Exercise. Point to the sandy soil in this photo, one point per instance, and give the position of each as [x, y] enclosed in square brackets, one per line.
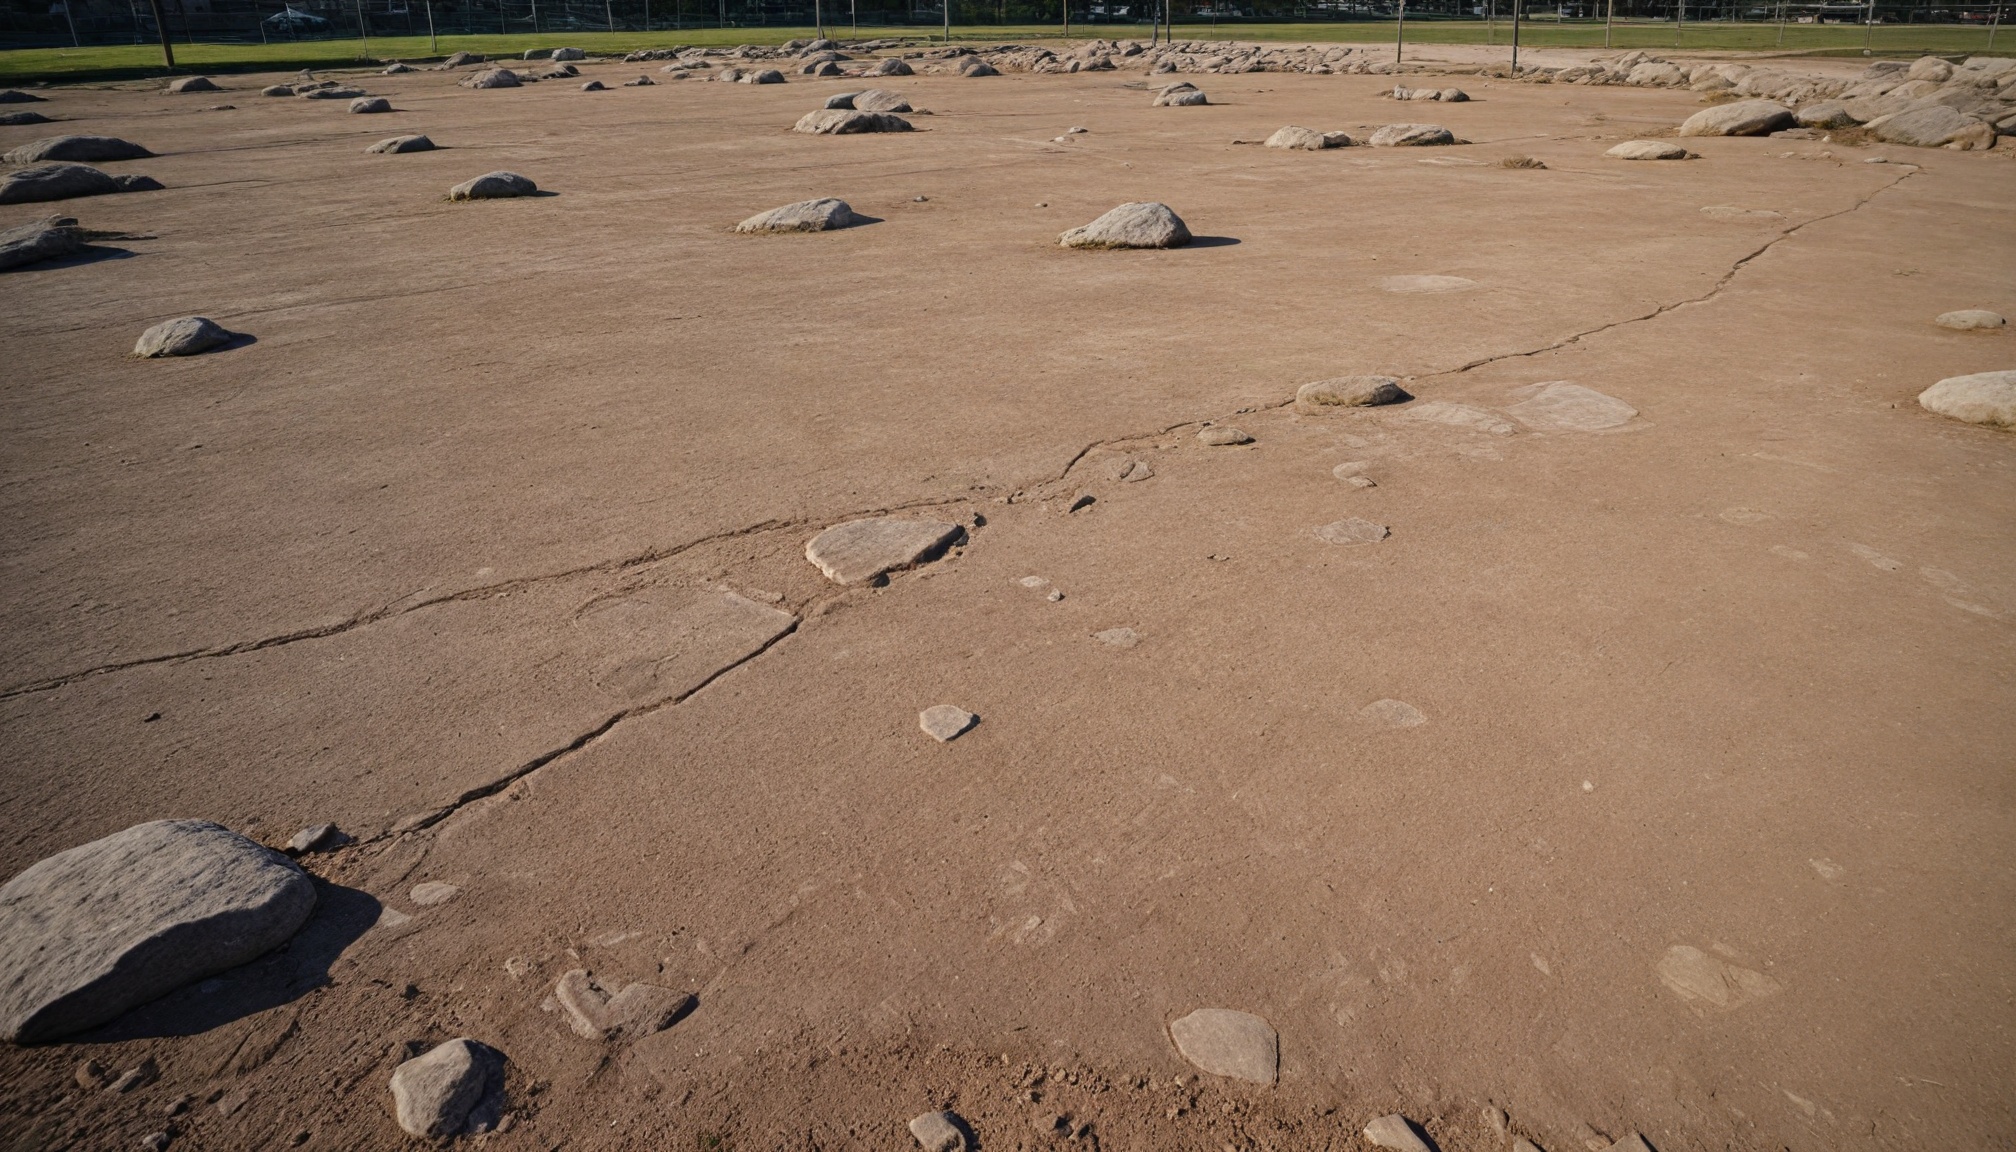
[444, 557]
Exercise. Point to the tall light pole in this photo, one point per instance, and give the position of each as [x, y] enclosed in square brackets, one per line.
[1400, 33]
[161, 26]
[1609, 18]
[1515, 36]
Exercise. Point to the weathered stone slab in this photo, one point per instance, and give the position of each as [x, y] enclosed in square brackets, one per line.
[864, 549]
[1224, 1042]
[1982, 398]
[1141, 224]
[455, 1088]
[1558, 406]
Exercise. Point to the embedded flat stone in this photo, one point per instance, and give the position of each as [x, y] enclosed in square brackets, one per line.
[1982, 398]
[1352, 530]
[1709, 981]
[1223, 435]
[1140, 224]
[457, 1087]
[46, 239]
[1294, 136]
[1970, 319]
[1742, 118]
[848, 122]
[89, 933]
[805, 216]
[87, 149]
[1648, 150]
[878, 100]
[864, 549]
[1426, 284]
[1558, 406]
[490, 78]
[400, 144]
[1223, 1042]
[1393, 713]
[433, 892]
[939, 1132]
[637, 1011]
[1118, 637]
[1412, 136]
[944, 722]
[193, 84]
[493, 186]
[1349, 392]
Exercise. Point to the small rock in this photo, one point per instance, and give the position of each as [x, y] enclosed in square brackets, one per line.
[1084, 500]
[1359, 481]
[877, 100]
[179, 1105]
[1524, 1145]
[1966, 319]
[1396, 1133]
[1495, 1120]
[493, 186]
[594, 86]
[1393, 714]
[562, 55]
[861, 550]
[1129, 469]
[490, 78]
[1054, 596]
[433, 892]
[19, 119]
[939, 1132]
[1632, 1143]
[193, 84]
[1140, 224]
[847, 122]
[90, 1075]
[1649, 150]
[186, 336]
[1224, 1042]
[1349, 392]
[138, 1076]
[396, 69]
[1742, 118]
[154, 1141]
[16, 96]
[1118, 637]
[637, 1011]
[841, 100]
[399, 144]
[330, 93]
[805, 216]
[366, 105]
[1180, 95]
[46, 239]
[890, 66]
[458, 1087]
[1352, 530]
[228, 1104]
[944, 722]
[764, 76]
[88, 149]
[277, 90]
[1826, 114]
[640, 82]
[973, 67]
[88, 933]
[1222, 435]
[1412, 136]
[1982, 398]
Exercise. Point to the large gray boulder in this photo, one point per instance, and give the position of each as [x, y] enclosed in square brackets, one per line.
[1825, 114]
[1412, 136]
[67, 181]
[805, 216]
[562, 55]
[1182, 95]
[48, 239]
[889, 67]
[1932, 126]
[876, 100]
[493, 186]
[764, 76]
[107, 926]
[454, 1088]
[16, 96]
[1742, 118]
[1142, 224]
[865, 549]
[1983, 398]
[368, 104]
[841, 100]
[490, 78]
[22, 119]
[459, 60]
[846, 122]
[1307, 139]
[398, 144]
[186, 336]
[85, 149]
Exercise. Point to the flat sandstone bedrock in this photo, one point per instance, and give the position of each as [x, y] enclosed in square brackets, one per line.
[864, 549]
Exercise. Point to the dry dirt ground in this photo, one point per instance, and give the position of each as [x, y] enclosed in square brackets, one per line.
[445, 556]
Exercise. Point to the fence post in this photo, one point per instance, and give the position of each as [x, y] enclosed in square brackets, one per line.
[1609, 18]
[1400, 33]
[1515, 36]
[363, 34]
[161, 26]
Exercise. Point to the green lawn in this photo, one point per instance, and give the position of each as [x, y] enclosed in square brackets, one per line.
[125, 60]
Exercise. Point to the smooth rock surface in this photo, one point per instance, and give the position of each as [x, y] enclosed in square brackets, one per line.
[1927, 127]
[1141, 224]
[1349, 392]
[945, 722]
[1710, 981]
[457, 1087]
[1293, 136]
[86, 149]
[399, 144]
[864, 549]
[939, 1132]
[1391, 713]
[848, 122]
[1826, 114]
[1394, 1132]
[1982, 398]
[1426, 283]
[1228, 1043]
[193, 84]
[490, 78]
[433, 892]
[366, 105]
[1967, 319]
[890, 66]
[805, 216]
[1648, 150]
[1558, 406]
[40, 240]
[493, 186]
[1412, 136]
[1742, 118]
[1223, 436]
[878, 100]
[89, 933]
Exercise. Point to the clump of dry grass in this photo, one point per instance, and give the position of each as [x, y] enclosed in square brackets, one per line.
[1520, 162]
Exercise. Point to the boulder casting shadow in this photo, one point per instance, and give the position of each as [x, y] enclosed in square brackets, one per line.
[284, 975]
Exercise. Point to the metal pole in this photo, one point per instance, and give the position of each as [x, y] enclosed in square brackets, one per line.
[433, 44]
[72, 21]
[818, 19]
[363, 34]
[535, 16]
[1869, 33]
[853, 18]
[161, 26]
[1781, 22]
[1515, 36]
[1992, 23]
[1491, 22]
[1679, 20]
[948, 21]
[1066, 6]
[1400, 32]
[609, 14]
[1609, 18]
